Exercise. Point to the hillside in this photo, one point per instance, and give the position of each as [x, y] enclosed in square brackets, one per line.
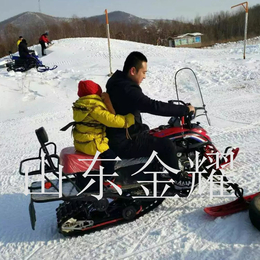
[27, 20]
[121, 17]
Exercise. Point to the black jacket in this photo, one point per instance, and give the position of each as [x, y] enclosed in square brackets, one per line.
[127, 97]
[23, 50]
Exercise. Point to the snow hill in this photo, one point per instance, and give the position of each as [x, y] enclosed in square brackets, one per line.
[179, 228]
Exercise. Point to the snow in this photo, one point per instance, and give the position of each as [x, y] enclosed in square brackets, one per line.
[177, 229]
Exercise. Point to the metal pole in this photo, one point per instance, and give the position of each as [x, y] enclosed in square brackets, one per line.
[108, 39]
[245, 5]
[246, 20]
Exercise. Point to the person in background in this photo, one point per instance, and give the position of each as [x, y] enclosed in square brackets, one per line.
[43, 40]
[26, 56]
[19, 40]
[23, 50]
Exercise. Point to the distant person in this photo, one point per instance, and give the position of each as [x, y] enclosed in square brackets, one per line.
[24, 52]
[27, 59]
[43, 40]
[19, 40]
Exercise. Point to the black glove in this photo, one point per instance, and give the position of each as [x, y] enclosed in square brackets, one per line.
[191, 115]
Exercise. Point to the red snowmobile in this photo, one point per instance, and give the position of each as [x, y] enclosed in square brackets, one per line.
[125, 195]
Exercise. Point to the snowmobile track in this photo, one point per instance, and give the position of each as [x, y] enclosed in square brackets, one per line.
[68, 210]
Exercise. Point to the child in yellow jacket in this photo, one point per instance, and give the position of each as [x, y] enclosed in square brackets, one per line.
[92, 112]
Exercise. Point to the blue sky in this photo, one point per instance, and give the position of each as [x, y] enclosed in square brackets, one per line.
[151, 9]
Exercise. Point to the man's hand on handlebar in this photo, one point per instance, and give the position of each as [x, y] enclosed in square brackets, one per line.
[191, 108]
[192, 111]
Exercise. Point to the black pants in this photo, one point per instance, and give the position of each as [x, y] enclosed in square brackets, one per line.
[144, 144]
[43, 47]
[108, 165]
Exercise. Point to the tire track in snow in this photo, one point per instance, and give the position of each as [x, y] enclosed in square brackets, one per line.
[151, 228]
[158, 245]
[32, 253]
[134, 231]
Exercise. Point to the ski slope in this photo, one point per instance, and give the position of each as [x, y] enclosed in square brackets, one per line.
[177, 229]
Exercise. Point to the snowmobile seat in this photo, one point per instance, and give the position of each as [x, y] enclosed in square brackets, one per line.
[74, 162]
[130, 162]
[70, 159]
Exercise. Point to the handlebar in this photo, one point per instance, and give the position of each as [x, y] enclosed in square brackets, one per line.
[191, 114]
[188, 118]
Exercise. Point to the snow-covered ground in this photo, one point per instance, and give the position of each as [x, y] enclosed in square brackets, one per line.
[179, 228]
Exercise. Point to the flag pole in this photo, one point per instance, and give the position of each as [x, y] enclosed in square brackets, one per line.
[108, 39]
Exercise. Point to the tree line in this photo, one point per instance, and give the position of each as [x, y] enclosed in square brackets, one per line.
[216, 28]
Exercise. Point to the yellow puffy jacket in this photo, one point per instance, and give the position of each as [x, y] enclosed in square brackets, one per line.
[90, 136]
[18, 42]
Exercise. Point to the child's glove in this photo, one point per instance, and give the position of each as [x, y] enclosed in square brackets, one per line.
[129, 120]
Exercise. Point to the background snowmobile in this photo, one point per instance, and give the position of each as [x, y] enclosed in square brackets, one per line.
[18, 64]
[82, 212]
[4, 61]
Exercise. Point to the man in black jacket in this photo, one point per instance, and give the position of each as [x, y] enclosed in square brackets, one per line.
[127, 97]
[26, 58]
[24, 53]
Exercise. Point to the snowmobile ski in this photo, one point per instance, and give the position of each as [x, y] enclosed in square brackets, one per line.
[232, 207]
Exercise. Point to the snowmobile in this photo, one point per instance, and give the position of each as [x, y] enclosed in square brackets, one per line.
[91, 202]
[18, 64]
[4, 61]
